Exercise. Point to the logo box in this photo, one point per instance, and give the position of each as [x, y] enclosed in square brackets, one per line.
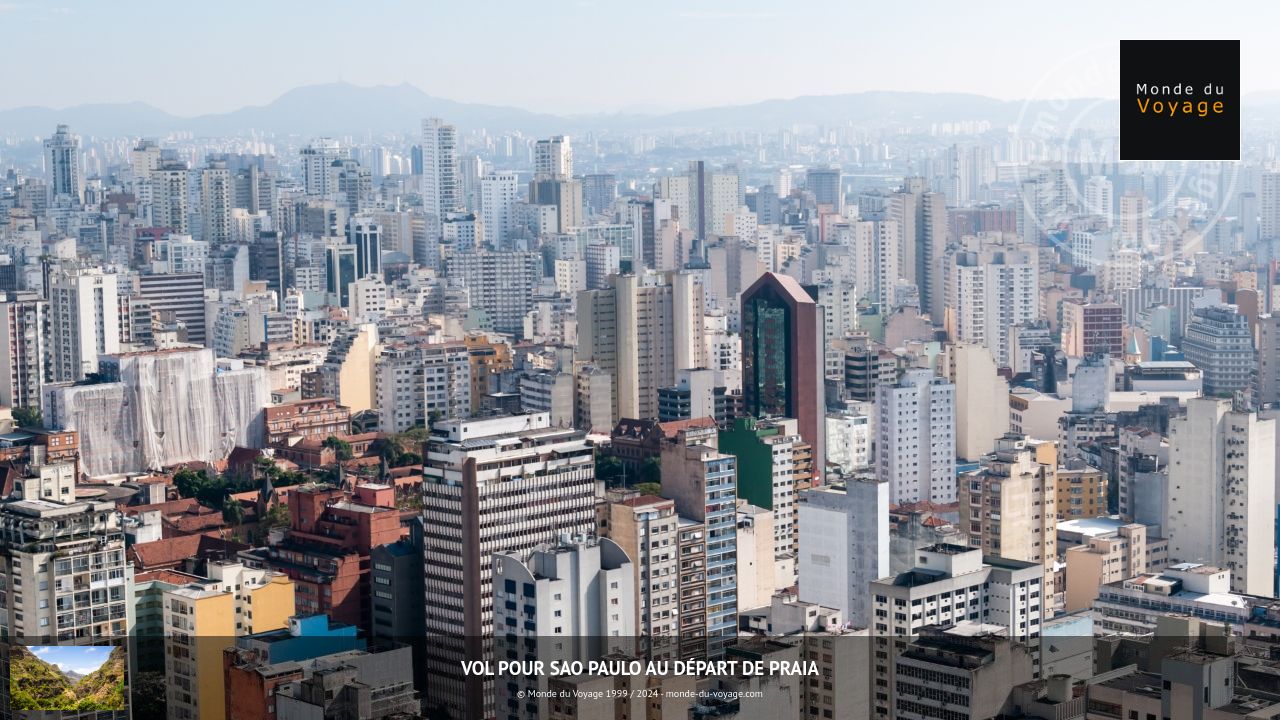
[1179, 99]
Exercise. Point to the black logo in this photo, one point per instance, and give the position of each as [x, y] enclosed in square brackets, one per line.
[1180, 99]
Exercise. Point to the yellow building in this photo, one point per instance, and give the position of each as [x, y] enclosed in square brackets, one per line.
[203, 618]
[1082, 493]
[488, 360]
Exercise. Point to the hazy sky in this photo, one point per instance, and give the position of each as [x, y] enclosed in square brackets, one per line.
[82, 659]
[576, 56]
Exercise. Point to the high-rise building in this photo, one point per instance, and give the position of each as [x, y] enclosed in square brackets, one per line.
[366, 236]
[24, 340]
[84, 321]
[62, 162]
[773, 460]
[170, 204]
[647, 528]
[1111, 557]
[1092, 328]
[440, 193]
[340, 272]
[782, 357]
[177, 297]
[499, 283]
[824, 184]
[500, 484]
[1218, 340]
[1099, 198]
[992, 288]
[499, 193]
[982, 406]
[1266, 388]
[642, 330]
[1221, 506]
[921, 219]
[217, 197]
[583, 589]
[702, 482]
[553, 158]
[599, 191]
[317, 160]
[417, 384]
[844, 545]
[1008, 506]
[916, 448]
[1269, 207]
[948, 585]
[52, 543]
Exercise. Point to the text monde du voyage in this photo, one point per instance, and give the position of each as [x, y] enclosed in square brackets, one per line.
[1181, 99]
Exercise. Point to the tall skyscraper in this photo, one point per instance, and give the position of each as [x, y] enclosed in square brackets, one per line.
[916, 449]
[642, 330]
[1221, 502]
[501, 484]
[84, 321]
[440, 193]
[177, 297]
[782, 357]
[62, 162]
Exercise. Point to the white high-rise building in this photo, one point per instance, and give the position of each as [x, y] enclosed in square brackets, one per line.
[439, 173]
[1099, 198]
[582, 590]
[916, 452]
[993, 287]
[553, 158]
[844, 545]
[84, 321]
[216, 198]
[23, 349]
[499, 193]
[170, 203]
[417, 384]
[317, 159]
[1269, 207]
[1220, 507]
[62, 159]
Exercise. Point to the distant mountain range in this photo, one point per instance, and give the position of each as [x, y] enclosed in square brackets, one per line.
[345, 109]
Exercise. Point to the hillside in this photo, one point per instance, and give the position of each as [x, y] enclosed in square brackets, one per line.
[37, 685]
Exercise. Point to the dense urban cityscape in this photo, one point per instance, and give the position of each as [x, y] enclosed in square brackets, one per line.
[899, 405]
